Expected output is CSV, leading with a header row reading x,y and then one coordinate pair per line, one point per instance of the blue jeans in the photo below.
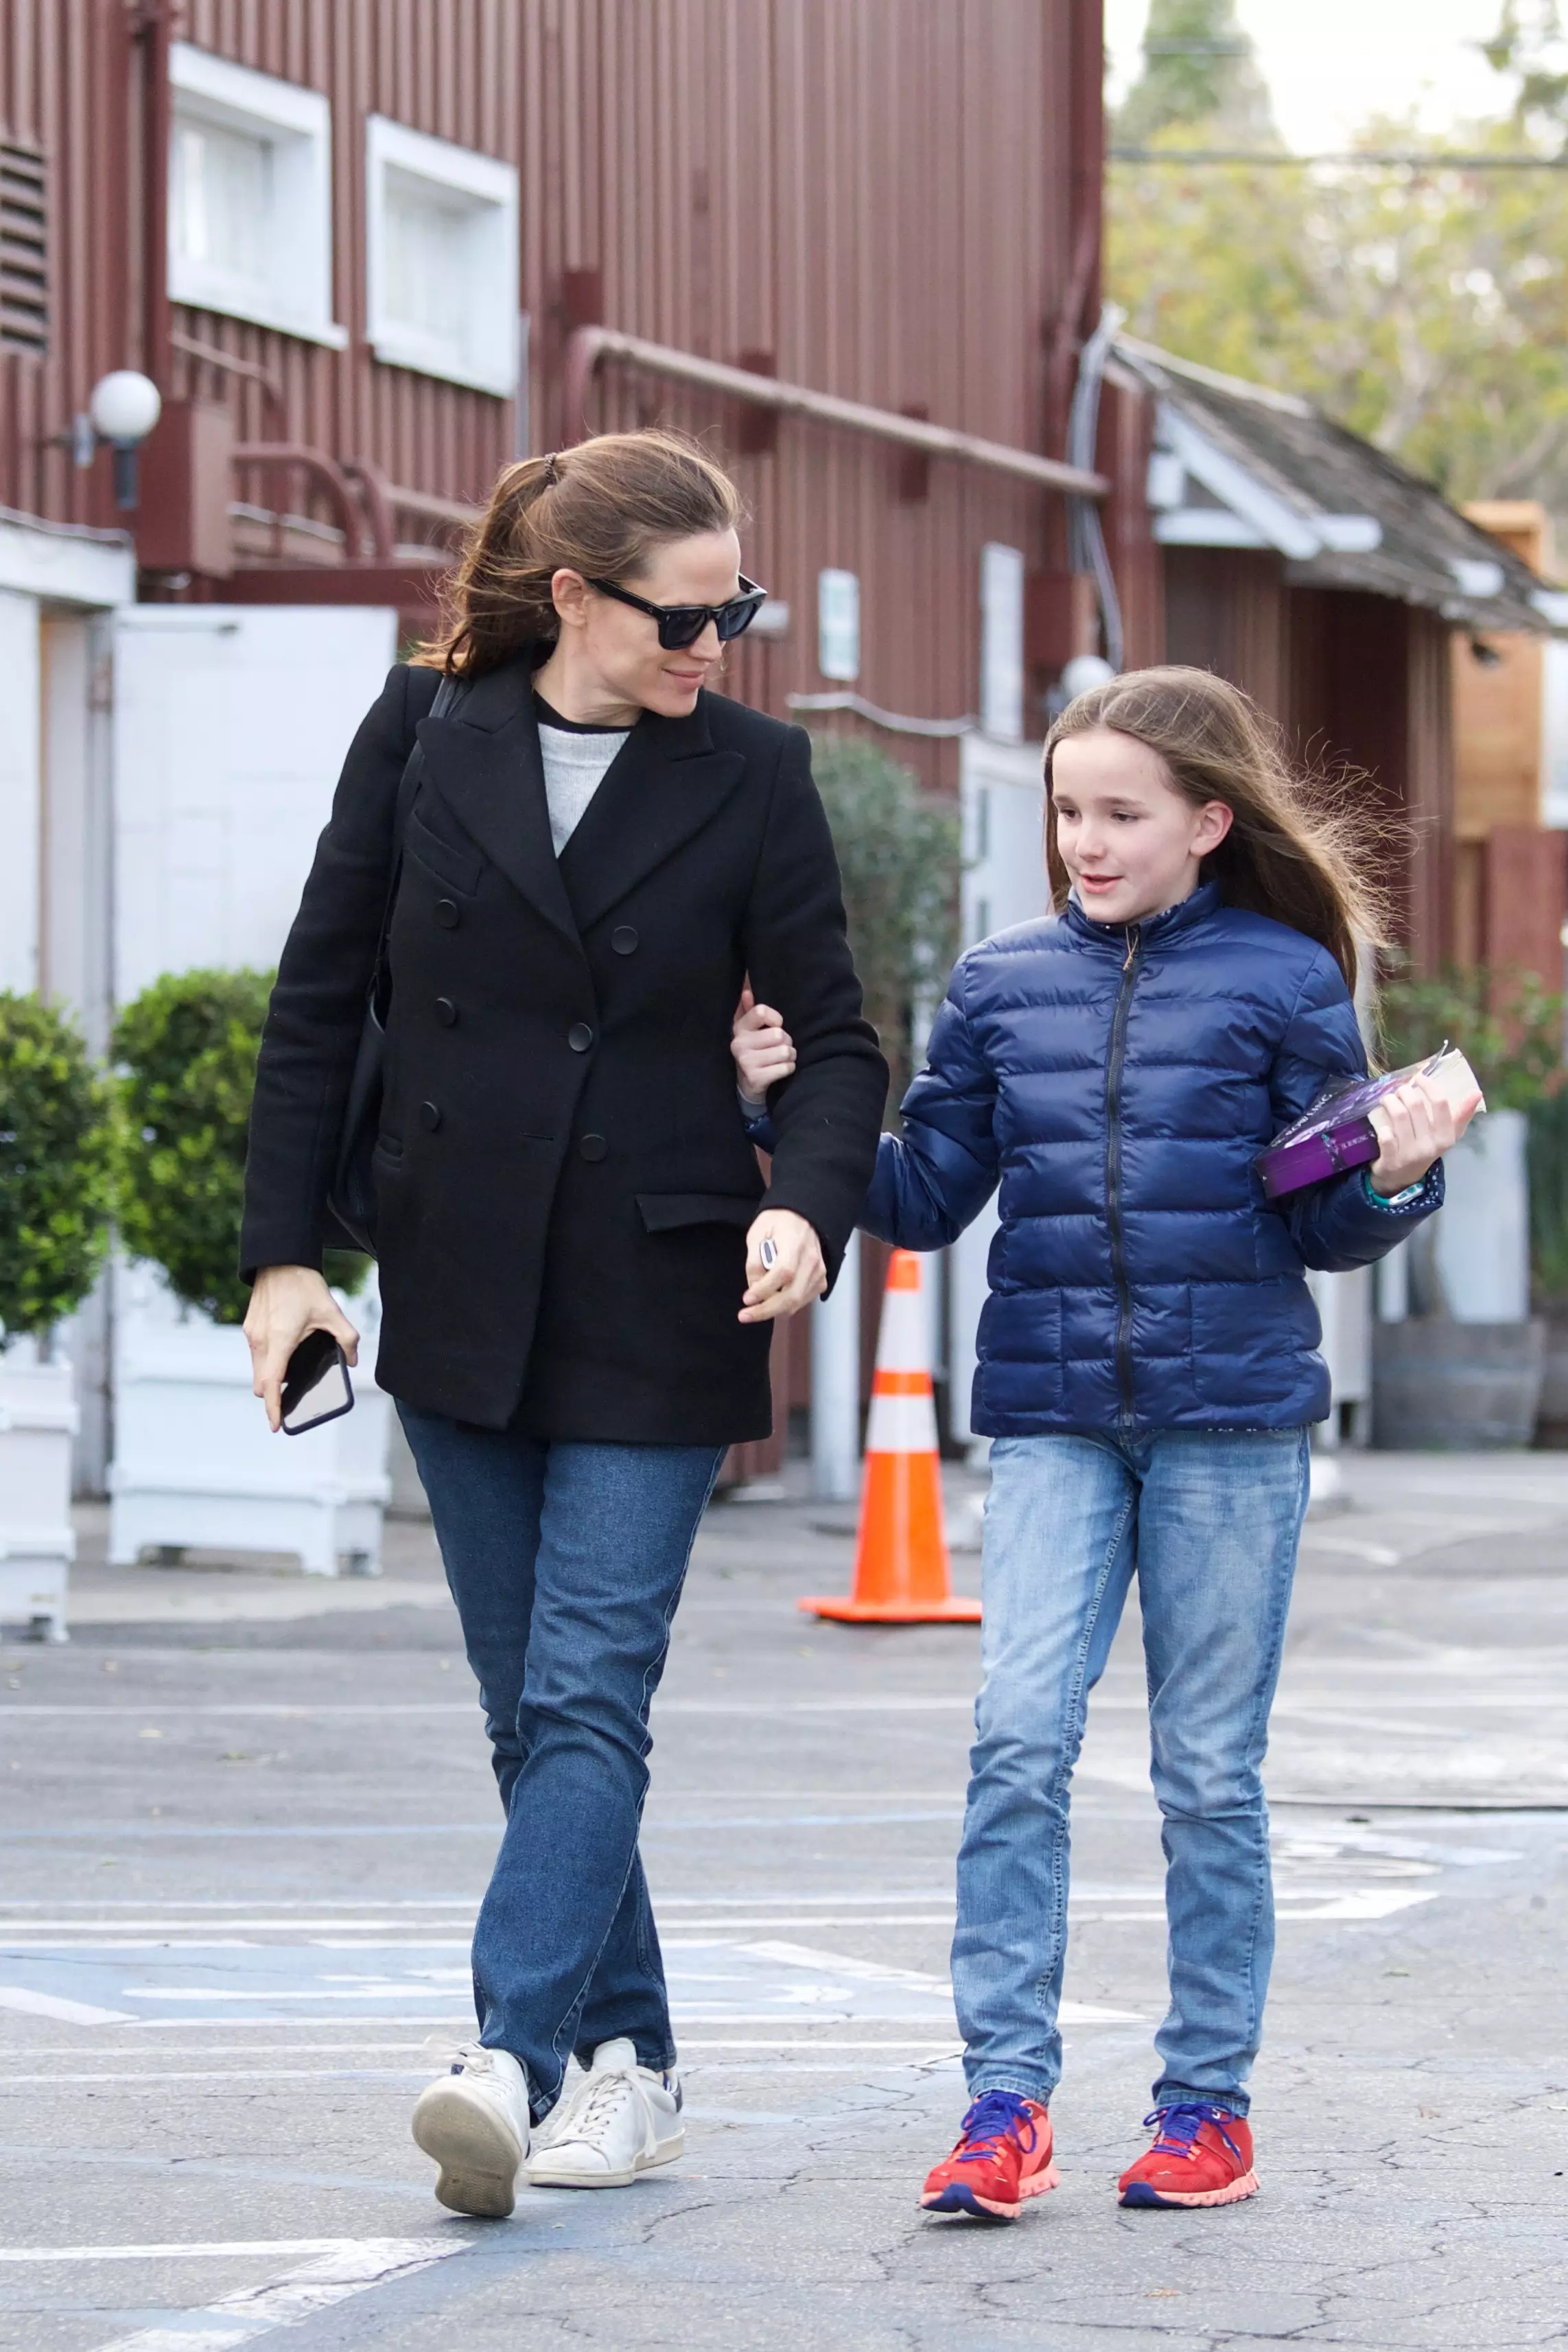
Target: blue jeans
x,y
566,1563
1210,1522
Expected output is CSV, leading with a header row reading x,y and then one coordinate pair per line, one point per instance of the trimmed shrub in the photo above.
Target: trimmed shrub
x,y
898,850
185,1052
54,1167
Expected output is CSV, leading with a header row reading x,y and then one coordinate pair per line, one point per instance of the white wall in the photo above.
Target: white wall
x,y
20,797
230,725
1554,724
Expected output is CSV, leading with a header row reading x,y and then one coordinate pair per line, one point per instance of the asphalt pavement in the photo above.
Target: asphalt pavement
x,y
246,1818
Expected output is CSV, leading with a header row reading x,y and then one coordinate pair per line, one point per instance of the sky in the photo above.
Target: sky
x,y
1330,64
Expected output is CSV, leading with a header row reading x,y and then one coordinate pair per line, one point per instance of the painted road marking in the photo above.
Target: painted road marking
x,y
214,2250
125,2048
232,2075
1507,1698
339,2267
421,2049
762,1973
50,2004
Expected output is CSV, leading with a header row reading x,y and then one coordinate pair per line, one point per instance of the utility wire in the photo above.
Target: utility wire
x,y
1274,159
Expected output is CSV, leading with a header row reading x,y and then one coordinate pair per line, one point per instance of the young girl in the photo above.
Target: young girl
x,y
1148,1365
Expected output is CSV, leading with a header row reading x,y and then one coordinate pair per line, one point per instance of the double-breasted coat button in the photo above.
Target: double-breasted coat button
x,y
623,938
580,1037
429,1117
447,913
593,1147
445,1011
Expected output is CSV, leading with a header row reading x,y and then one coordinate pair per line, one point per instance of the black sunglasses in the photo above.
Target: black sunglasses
x,y
681,626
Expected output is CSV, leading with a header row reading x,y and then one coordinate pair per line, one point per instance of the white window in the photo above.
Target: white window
x,y
250,196
839,625
440,254
1001,641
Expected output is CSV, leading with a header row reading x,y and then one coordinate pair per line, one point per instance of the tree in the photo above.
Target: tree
x,y
1530,44
898,854
1198,69
1425,307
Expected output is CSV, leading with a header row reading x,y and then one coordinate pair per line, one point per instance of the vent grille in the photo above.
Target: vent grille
x,y
24,278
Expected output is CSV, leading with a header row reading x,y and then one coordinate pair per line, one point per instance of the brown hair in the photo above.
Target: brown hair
x,y
601,509
1296,850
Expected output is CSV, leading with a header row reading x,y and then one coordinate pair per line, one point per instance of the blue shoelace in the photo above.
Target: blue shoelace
x,y
1179,2127
993,2116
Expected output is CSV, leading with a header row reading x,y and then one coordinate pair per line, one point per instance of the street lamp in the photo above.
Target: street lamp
x,y
122,408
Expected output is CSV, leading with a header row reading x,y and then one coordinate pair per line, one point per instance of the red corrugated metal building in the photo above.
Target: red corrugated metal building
x,y
329,230
893,201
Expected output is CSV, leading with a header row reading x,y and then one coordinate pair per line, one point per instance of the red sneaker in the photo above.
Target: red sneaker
x,y
1202,2154
1003,2156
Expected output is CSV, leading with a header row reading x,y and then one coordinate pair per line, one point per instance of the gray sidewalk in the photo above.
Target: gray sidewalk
x,y
250,1815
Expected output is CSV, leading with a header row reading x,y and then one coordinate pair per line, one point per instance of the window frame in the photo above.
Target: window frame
x,y
296,123
485,183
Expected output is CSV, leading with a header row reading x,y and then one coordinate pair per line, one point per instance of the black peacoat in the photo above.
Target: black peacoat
x,y
564,1183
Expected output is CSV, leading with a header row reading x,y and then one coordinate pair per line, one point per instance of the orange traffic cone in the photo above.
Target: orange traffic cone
x,y
901,1565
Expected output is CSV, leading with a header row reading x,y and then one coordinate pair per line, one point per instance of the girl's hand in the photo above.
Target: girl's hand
x,y
797,1275
763,1048
1415,1125
286,1302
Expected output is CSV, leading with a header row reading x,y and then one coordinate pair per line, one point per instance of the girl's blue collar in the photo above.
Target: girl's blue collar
x,y
1154,930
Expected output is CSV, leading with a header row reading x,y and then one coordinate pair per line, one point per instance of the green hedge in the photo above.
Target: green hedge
x,y
55,1167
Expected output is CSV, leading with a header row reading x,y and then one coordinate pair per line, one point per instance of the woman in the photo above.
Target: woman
x,y
572,1223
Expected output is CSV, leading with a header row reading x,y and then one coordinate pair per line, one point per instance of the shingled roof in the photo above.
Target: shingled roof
x,y
1236,464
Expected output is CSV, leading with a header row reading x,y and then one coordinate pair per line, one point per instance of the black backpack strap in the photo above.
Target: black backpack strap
x,y
449,694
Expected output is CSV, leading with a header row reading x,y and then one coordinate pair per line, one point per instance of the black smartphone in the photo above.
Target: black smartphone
x,y
316,1387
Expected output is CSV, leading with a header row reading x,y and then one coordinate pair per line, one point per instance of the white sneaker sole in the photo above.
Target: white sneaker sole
x,y
477,2151
541,2175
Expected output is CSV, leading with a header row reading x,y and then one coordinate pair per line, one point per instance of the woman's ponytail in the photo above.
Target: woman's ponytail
x,y
599,508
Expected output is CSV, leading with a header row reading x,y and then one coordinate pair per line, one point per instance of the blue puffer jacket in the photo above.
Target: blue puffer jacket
x,y
1119,1085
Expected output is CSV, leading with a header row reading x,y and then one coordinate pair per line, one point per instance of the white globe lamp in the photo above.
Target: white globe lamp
x,y
123,407
1083,672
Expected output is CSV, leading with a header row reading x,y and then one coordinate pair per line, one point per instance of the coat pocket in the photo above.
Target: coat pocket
x,y
460,867
663,1212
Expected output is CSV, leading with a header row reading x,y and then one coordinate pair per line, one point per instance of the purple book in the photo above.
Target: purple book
x,y
1337,1132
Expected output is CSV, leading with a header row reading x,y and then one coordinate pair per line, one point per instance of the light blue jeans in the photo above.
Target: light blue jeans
x,y
1209,1521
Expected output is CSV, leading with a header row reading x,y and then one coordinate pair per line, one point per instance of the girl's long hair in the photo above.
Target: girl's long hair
x,y
1301,848
601,509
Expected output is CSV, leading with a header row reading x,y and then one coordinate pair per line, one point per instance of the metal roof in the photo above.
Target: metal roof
x,y
1238,465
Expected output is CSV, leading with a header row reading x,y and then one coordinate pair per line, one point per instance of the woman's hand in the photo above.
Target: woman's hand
x,y
763,1048
797,1275
1414,1126
286,1302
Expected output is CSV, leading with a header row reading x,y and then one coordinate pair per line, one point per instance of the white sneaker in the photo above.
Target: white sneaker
x,y
621,2119
474,2120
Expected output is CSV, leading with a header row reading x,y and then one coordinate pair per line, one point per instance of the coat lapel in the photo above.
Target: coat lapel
x,y
484,759
666,783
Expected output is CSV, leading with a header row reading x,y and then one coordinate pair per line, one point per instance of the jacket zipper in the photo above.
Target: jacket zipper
x,y
1114,1173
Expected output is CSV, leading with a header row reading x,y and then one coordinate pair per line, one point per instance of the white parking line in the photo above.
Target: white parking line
x,y
228,2074
339,2267
208,2249
51,2004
